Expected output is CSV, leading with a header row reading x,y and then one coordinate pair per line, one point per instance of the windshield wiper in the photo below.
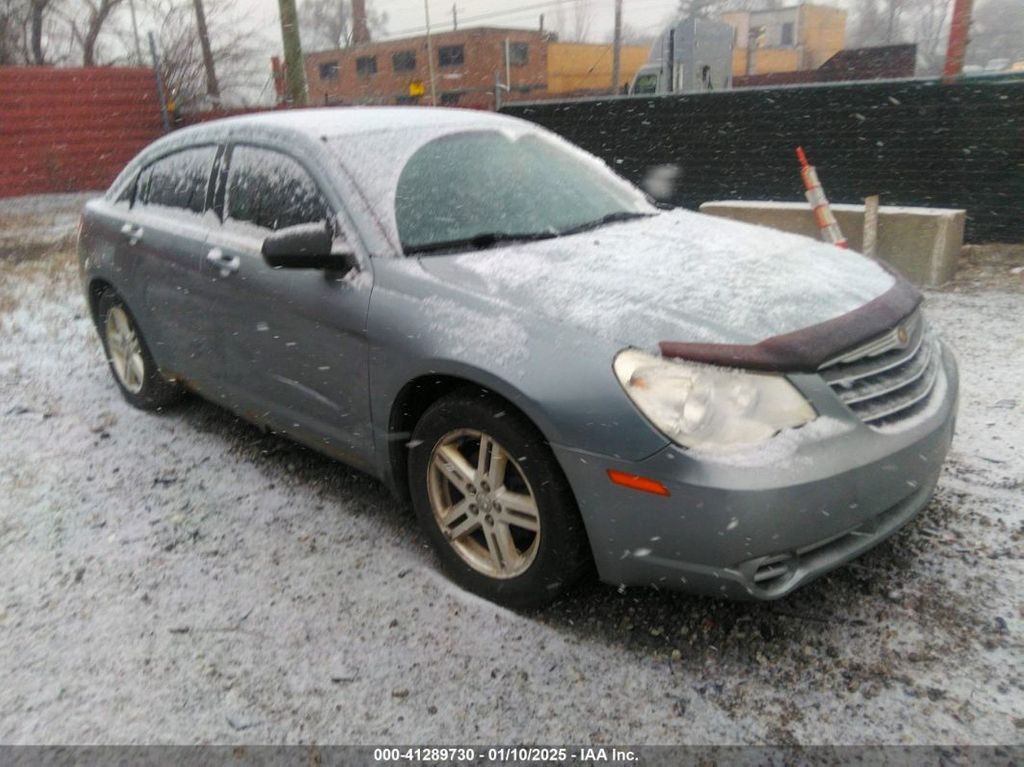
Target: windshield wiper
x,y
611,218
478,241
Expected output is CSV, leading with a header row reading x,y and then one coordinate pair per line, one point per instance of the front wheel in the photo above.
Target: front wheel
x,y
494,503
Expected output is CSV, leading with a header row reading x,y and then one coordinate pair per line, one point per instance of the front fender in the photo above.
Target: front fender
x,y
561,379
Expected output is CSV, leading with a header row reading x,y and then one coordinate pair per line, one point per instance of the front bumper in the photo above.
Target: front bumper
x,y
760,531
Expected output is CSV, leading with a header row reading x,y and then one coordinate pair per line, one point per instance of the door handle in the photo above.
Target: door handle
x,y
132,233
227,264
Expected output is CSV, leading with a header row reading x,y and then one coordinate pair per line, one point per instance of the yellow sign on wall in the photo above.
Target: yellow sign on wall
x,y
416,88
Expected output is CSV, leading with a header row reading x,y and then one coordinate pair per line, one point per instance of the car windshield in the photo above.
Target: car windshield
x,y
479,188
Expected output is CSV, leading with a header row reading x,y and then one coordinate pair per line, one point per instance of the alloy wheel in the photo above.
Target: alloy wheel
x,y
483,503
125,350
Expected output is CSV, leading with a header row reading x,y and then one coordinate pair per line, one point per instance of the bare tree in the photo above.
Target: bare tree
x,y
709,9
574,25
582,18
888,22
13,14
633,36
931,33
327,24
236,47
97,14
38,10
997,32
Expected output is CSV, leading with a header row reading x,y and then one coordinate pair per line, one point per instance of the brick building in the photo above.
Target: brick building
x,y
398,72
465,63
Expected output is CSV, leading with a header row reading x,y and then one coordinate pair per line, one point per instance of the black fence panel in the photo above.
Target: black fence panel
x,y
914,142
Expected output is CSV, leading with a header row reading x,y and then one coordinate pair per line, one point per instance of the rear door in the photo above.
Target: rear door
x,y
167,232
292,341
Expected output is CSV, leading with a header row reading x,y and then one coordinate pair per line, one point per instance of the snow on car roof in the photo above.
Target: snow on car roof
x,y
341,121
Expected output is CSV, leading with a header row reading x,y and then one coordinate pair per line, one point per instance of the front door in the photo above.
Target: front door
x,y
292,342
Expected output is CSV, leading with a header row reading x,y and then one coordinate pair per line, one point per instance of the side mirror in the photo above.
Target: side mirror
x,y
306,246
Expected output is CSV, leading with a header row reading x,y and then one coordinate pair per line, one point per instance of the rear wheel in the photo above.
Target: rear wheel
x,y
131,363
494,503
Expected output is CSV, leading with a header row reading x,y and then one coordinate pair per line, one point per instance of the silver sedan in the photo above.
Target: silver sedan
x,y
559,375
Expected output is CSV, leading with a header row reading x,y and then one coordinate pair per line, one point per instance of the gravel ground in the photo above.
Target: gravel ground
x,y
184,578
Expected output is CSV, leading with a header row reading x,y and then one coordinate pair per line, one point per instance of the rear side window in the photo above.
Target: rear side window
x,y
180,180
272,191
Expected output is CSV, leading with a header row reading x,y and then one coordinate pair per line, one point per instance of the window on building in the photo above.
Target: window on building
x,y
403,61
450,99
518,54
181,180
271,191
407,101
451,55
366,66
787,34
329,70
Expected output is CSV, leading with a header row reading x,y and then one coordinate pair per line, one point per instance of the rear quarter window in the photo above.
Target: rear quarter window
x,y
180,180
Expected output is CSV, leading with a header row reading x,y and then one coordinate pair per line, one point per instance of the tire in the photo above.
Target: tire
x,y
131,363
484,519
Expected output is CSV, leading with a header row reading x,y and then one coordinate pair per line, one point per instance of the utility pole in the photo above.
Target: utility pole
x,y
294,74
617,48
959,28
212,88
455,18
430,54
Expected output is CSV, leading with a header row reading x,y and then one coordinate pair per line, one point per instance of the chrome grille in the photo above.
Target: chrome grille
x,y
890,377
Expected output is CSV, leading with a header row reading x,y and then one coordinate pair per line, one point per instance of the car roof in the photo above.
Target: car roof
x,y
341,121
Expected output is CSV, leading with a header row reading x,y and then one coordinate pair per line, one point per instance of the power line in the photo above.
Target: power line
x,y
495,14
532,8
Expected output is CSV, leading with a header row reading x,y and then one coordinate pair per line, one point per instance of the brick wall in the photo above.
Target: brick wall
x,y
65,130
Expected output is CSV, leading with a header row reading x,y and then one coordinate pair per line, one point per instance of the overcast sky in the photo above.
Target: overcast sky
x,y
406,17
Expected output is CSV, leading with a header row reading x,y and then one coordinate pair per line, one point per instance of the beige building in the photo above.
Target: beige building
x,y
578,68
785,39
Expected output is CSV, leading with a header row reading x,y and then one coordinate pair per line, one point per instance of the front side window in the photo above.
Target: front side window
x,y
271,191
366,66
646,84
486,183
451,55
180,180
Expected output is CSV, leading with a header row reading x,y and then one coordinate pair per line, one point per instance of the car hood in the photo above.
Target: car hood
x,y
674,277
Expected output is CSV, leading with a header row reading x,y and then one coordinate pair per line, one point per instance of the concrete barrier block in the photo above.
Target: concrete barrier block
x,y
923,244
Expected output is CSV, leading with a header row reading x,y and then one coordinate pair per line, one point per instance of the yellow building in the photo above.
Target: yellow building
x,y
785,39
587,67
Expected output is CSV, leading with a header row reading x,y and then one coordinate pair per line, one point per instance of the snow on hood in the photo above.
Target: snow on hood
x,y
678,276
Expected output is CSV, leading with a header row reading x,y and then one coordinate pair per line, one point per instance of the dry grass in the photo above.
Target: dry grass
x,y
36,260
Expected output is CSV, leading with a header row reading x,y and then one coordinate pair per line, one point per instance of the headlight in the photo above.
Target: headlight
x,y
705,406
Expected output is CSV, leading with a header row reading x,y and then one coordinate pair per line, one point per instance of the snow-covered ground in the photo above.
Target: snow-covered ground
x,y
184,578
